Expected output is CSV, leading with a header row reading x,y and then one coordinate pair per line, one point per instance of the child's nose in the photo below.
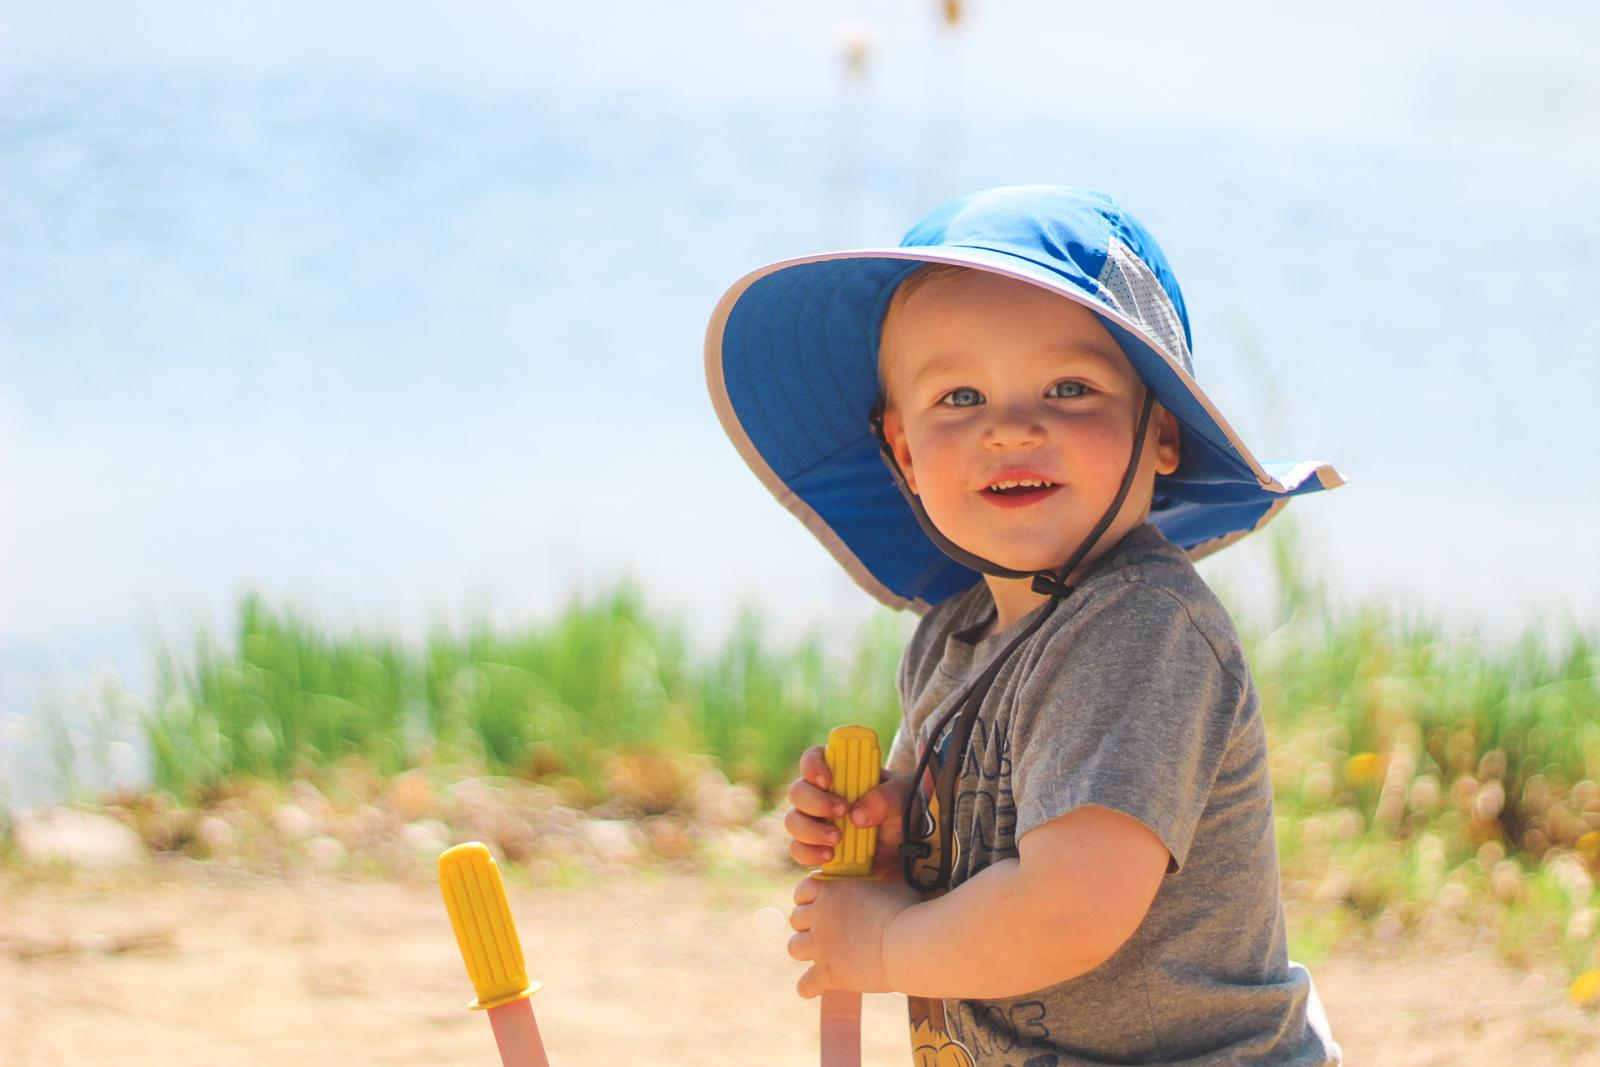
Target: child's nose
x,y
1013,426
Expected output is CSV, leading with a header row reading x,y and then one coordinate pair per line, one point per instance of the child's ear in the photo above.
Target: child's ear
x,y
1167,451
894,429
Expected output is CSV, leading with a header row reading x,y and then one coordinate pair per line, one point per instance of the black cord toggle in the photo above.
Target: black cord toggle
x,y
1050,585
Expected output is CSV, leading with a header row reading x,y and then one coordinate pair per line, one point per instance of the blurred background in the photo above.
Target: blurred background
x,y
360,493
395,312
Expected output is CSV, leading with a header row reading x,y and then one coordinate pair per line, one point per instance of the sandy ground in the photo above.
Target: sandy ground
x,y
187,965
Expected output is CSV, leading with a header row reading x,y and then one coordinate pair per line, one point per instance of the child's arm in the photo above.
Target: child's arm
x,y
1080,887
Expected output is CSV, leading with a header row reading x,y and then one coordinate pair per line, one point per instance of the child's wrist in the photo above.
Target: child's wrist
x,y
889,955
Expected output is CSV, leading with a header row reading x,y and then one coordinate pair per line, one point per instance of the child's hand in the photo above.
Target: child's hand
x,y
809,820
840,931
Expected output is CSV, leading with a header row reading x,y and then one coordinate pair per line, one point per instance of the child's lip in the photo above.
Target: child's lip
x,y
1021,500
1018,474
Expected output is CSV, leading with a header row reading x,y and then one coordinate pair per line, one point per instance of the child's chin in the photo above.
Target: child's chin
x,y
1032,561
1032,558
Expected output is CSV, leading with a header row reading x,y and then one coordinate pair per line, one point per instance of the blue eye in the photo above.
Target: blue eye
x,y
964,397
1066,390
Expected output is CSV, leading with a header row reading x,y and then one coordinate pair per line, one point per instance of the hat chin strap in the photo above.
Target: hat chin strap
x,y
1050,584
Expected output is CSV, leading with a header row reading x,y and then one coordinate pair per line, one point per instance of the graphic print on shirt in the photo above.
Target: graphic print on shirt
x,y
931,1043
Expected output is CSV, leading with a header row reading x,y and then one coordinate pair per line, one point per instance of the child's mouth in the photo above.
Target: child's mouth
x,y
1019,494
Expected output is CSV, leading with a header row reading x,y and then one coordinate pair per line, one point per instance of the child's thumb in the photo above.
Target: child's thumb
x,y
873,808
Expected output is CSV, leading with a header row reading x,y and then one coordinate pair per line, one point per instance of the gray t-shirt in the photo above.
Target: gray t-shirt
x,y
1134,695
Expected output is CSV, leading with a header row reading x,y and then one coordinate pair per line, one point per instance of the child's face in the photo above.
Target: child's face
x,y
992,381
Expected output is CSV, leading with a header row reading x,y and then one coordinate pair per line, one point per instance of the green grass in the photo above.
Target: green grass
x,y
555,700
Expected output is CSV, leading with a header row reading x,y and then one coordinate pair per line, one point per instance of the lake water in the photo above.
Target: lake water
x,y
398,313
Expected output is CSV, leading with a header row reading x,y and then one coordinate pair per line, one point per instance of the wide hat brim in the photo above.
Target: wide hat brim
x,y
791,365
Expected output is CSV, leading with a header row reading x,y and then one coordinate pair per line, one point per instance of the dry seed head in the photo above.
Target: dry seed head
x,y
1348,824
1453,898
1334,889
1489,802
1570,875
1506,881
1317,785
1424,797
1430,850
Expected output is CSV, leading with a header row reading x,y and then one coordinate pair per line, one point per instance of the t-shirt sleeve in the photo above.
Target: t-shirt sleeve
x,y
1128,707
902,756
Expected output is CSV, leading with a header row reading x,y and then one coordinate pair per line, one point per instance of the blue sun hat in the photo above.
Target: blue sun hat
x,y
792,366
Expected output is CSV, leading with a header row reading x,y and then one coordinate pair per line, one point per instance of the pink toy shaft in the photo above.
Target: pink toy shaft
x,y
517,1035
841,1029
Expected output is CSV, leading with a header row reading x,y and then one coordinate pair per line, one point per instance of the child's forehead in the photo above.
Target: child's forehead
x,y
972,320
1043,355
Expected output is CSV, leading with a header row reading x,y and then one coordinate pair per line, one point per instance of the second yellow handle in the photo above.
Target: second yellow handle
x,y
475,897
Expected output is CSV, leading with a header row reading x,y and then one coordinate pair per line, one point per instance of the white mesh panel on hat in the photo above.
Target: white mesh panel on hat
x,y
1133,289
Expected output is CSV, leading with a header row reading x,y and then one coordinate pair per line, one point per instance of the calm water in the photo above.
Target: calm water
x,y
403,319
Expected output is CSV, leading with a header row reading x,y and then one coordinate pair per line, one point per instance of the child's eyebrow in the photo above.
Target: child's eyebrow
x,y
1077,348
940,365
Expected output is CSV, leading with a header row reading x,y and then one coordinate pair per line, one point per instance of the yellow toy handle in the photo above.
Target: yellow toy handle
x,y
855,764
475,897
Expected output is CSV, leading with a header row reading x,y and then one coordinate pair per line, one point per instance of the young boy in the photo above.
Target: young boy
x,y
997,424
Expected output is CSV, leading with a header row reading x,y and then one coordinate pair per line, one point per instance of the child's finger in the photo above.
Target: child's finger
x,y
814,767
814,800
809,985
881,804
810,855
808,831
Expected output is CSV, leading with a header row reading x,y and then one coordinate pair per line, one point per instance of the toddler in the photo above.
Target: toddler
x,y
997,425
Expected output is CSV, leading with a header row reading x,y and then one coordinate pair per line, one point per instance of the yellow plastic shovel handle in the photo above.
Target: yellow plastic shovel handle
x,y
855,763
475,897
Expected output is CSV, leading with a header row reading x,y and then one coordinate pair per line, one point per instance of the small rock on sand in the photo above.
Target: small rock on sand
x,y
77,838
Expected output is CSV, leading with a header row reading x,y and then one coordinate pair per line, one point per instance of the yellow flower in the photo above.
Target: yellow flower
x,y
1589,843
1361,768
1585,988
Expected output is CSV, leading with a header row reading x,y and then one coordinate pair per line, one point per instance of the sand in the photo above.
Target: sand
x,y
183,963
